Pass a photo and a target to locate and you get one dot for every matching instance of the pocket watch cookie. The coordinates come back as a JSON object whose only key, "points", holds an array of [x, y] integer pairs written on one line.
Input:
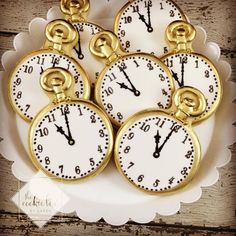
{"points": [[157, 150], [76, 12], [130, 82], [26, 95], [141, 24], [69, 139], [192, 69]]}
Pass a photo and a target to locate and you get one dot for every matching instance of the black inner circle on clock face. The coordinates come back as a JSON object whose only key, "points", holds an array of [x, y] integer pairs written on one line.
{"points": [[156, 153], [193, 70], [132, 84], [150, 17], [27, 94], [71, 141]]}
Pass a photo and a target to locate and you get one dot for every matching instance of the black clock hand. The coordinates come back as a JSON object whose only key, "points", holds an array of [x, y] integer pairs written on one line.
{"points": [[134, 90], [61, 131], [182, 74], [41, 72], [158, 151], [157, 137], [149, 29], [175, 75], [71, 141], [142, 18], [124, 86], [79, 50]]}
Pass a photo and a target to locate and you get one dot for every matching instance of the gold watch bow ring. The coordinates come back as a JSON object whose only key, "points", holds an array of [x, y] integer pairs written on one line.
{"points": [[69, 139], [190, 68], [76, 12], [25, 93]]}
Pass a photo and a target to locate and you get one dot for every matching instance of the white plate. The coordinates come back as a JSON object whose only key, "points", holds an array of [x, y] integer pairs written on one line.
{"points": [[108, 195]]}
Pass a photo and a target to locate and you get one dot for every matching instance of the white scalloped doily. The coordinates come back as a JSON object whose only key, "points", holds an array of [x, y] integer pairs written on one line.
{"points": [[108, 195]]}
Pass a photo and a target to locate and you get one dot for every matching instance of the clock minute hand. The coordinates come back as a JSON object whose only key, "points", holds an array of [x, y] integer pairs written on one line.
{"points": [[71, 141], [149, 29], [182, 74], [79, 50], [135, 91], [163, 144]]}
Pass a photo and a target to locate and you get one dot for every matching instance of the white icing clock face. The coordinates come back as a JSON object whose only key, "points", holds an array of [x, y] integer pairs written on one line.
{"points": [[141, 25], [81, 53], [131, 84], [196, 71], [71, 140], [26, 94], [156, 153]]}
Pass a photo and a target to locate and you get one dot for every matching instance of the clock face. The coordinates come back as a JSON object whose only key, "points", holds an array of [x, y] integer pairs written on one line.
{"points": [[196, 71], [26, 94], [131, 84], [156, 153], [81, 52], [148, 18], [71, 141]]}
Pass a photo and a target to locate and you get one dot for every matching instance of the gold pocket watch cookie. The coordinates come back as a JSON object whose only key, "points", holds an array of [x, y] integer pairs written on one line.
{"points": [[76, 13], [141, 24], [26, 95], [69, 139], [129, 82], [157, 150], [192, 69]]}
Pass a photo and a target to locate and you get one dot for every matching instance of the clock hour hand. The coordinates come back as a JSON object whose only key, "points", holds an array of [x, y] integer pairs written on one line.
{"points": [[157, 137], [124, 86], [61, 131], [142, 18], [158, 151], [134, 90], [79, 50], [175, 75]]}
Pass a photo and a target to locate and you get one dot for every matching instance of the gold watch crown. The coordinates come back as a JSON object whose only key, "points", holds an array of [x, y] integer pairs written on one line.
{"points": [[60, 36], [75, 10], [180, 35], [105, 45], [190, 102], [56, 80]]}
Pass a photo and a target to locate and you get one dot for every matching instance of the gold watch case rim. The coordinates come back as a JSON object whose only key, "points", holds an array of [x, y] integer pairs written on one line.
{"points": [[106, 68], [109, 152], [196, 144], [120, 12], [83, 73], [217, 103]]}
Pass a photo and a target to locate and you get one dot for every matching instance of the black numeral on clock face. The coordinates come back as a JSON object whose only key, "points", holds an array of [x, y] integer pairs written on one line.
{"points": [[51, 118], [77, 170], [140, 178], [109, 91], [28, 69], [145, 127], [43, 132], [128, 19], [156, 183]]}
